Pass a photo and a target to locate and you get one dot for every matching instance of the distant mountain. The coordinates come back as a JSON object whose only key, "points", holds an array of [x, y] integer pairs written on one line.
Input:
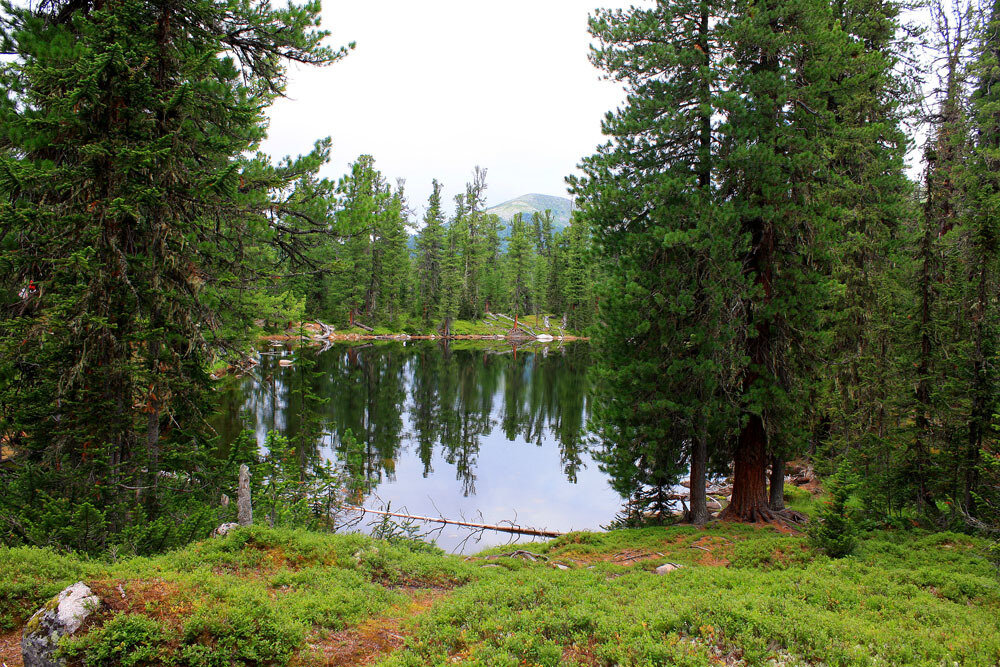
{"points": [[528, 204], [525, 204]]}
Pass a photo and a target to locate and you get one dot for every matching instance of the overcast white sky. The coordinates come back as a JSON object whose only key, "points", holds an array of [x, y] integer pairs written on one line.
{"points": [[436, 87]]}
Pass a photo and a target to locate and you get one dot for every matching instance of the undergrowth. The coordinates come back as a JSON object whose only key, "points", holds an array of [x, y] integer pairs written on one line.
{"points": [[743, 595]]}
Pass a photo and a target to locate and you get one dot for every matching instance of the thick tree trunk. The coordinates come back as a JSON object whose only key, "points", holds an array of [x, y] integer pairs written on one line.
{"points": [[749, 501], [699, 456], [777, 487]]}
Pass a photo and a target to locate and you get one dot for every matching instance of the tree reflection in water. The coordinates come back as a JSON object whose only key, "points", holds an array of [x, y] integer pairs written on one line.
{"points": [[438, 398]]}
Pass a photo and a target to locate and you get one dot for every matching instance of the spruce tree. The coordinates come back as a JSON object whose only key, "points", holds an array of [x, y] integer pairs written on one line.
{"points": [[430, 256], [979, 492], [131, 195], [664, 348]]}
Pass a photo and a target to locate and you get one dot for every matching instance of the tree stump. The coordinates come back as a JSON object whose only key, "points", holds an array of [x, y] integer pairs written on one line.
{"points": [[244, 510]]}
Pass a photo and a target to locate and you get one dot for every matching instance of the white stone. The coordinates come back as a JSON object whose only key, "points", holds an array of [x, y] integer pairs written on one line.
{"points": [[225, 528], [61, 617], [668, 567]]}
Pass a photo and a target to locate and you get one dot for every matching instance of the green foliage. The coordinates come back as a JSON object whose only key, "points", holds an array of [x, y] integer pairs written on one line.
{"points": [[259, 596], [834, 532], [403, 532], [135, 200], [128, 640]]}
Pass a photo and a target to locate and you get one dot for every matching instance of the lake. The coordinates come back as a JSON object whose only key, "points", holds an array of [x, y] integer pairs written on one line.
{"points": [[482, 432]]}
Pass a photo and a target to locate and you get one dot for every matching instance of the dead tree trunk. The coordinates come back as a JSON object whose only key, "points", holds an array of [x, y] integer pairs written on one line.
{"points": [[244, 510]]}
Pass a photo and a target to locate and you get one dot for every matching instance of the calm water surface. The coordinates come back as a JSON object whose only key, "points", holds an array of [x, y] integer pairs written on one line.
{"points": [[465, 430]]}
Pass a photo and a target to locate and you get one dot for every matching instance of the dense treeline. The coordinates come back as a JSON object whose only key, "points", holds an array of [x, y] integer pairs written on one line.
{"points": [[461, 267], [807, 298]]}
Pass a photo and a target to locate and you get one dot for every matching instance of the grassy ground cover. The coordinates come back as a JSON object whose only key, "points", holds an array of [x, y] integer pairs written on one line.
{"points": [[744, 595]]}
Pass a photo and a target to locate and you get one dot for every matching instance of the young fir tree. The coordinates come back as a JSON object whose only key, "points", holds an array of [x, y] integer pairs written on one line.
{"points": [[131, 197]]}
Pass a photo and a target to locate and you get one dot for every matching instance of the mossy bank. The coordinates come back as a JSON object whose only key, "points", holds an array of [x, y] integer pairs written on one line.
{"points": [[743, 595]]}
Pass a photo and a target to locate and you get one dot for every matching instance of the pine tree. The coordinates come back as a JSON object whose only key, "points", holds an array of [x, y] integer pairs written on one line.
{"points": [[364, 197], [131, 195], [874, 201], [663, 347], [430, 256], [541, 285], [983, 258], [712, 202], [520, 260]]}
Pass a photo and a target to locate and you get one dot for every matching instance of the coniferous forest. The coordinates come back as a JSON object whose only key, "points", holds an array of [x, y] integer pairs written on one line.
{"points": [[786, 250]]}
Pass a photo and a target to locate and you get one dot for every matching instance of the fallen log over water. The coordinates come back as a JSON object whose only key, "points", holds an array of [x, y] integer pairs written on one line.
{"points": [[517, 530]]}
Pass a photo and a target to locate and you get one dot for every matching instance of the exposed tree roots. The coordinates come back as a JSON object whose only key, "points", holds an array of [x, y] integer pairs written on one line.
{"points": [[764, 514]]}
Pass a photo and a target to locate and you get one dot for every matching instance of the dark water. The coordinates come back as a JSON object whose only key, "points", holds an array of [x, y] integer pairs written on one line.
{"points": [[473, 431]]}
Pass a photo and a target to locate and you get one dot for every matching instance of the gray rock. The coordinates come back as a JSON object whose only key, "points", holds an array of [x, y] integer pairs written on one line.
{"points": [[668, 567], [225, 528], [60, 617]]}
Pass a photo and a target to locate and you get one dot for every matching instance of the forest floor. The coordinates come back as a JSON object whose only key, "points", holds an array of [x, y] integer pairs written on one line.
{"points": [[743, 595]]}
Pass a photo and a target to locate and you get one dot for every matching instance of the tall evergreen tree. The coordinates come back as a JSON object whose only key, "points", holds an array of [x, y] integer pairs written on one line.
{"points": [[664, 347], [430, 256], [520, 261], [722, 156], [131, 197], [982, 500]]}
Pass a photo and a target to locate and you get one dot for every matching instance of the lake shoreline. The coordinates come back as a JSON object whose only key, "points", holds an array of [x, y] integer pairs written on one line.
{"points": [[528, 338], [531, 330]]}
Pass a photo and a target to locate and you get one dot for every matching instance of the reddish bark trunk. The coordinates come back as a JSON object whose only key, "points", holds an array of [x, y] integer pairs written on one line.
{"points": [[750, 501]]}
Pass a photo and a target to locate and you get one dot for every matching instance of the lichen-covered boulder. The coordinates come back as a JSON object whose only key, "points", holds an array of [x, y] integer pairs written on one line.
{"points": [[225, 528], [60, 617]]}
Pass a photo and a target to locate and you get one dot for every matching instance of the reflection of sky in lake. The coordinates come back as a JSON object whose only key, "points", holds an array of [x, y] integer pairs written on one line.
{"points": [[507, 479]]}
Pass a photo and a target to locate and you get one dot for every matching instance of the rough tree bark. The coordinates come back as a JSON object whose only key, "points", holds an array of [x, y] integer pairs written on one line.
{"points": [[777, 486], [699, 456], [244, 510]]}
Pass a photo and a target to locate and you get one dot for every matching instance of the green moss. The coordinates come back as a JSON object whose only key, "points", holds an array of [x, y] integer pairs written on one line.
{"points": [[254, 596]]}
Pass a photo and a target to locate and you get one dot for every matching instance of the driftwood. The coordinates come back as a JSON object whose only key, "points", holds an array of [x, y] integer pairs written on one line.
{"points": [[519, 553], [326, 331], [518, 323], [517, 530]]}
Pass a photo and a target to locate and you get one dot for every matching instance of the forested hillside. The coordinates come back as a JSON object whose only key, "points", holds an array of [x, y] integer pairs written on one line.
{"points": [[462, 265]]}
